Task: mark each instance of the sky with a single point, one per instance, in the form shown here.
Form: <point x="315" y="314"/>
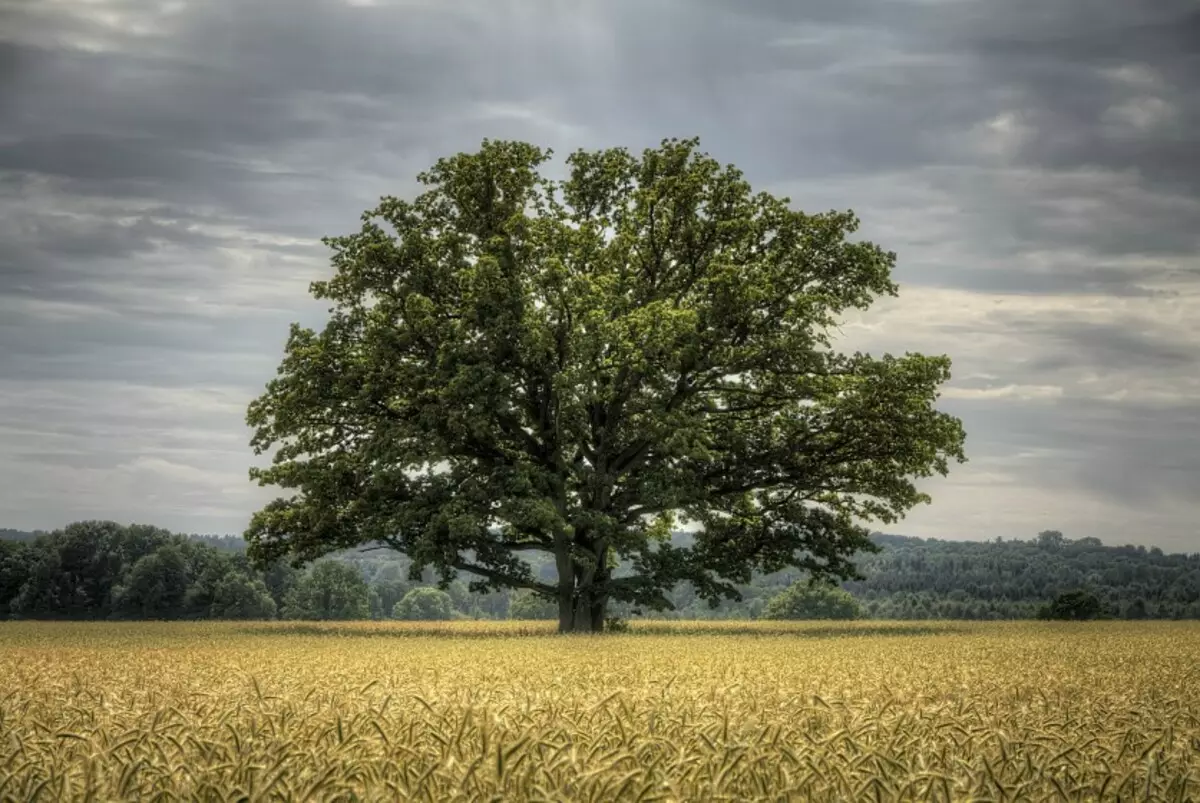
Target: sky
<point x="168" y="168"/>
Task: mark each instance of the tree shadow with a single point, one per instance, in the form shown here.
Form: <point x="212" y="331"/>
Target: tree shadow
<point x="810" y="632"/>
<point x="490" y="630"/>
<point x="395" y="630"/>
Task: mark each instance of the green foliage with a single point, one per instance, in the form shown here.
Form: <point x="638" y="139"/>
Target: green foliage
<point x="240" y="597"/>
<point x="387" y="588"/>
<point x="514" y="365"/>
<point x="101" y="569"/>
<point x="207" y="567"/>
<point x="616" y="624"/>
<point x="155" y="587"/>
<point x="424" y="604"/>
<point x="75" y="569"/>
<point x="525" y="604"/>
<point x="15" y="561"/>
<point x="331" y="590"/>
<point x="812" y="601"/>
<point x="913" y="578"/>
<point x="1079" y="604"/>
<point x="280" y="578"/>
<point x="1051" y="539"/>
<point x="910" y="578"/>
<point x="8" y="535"/>
<point x="1134" y="609"/>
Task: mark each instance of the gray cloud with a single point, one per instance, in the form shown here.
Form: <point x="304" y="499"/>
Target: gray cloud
<point x="1112" y="347"/>
<point x="167" y="168"/>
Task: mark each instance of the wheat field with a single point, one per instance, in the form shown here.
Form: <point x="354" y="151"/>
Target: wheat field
<point x="507" y="711"/>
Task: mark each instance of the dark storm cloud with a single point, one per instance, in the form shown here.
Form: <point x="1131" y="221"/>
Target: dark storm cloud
<point x="166" y="170"/>
<point x="1118" y="89"/>
<point x="787" y="91"/>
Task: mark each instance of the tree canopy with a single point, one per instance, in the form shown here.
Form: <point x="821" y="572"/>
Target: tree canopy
<point x="1077" y="604"/>
<point x="803" y="600"/>
<point x="330" y="591"/>
<point x="576" y="366"/>
<point x="424" y="604"/>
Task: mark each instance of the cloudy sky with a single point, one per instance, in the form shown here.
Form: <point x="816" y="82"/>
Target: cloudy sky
<point x="166" y="169"/>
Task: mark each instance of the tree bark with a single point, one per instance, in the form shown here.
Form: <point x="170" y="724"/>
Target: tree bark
<point x="583" y="601"/>
<point x="584" y="612"/>
<point x="598" y="601"/>
<point x="598" y="609"/>
<point x="582" y="586"/>
<point x="566" y="583"/>
<point x="583" y="621"/>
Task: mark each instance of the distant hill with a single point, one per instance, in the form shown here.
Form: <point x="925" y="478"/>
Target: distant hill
<point x="927" y="578"/>
<point x="225" y="543"/>
<point x="228" y="543"/>
<point x="916" y="578"/>
<point x="17" y="535"/>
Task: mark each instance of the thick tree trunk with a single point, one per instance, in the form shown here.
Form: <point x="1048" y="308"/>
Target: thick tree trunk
<point x="583" y="620"/>
<point x="598" y="601"/>
<point x="599" y="609"/>
<point x="566" y="584"/>
<point x="583" y="609"/>
<point x="582" y="600"/>
<point x="583" y="613"/>
<point x="566" y="614"/>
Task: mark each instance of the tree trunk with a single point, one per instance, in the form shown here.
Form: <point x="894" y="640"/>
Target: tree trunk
<point x="582" y="610"/>
<point x="566" y="584"/>
<point x="583" y="619"/>
<point x="583" y="613"/>
<point x="599" y="608"/>
<point x="566" y="614"/>
<point x="598" y="601"/>
<point x="582" y="602"/>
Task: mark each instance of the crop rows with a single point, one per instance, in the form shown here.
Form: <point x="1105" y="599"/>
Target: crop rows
<point x="211" y="711"/>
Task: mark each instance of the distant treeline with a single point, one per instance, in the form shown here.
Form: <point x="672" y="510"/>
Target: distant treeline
<point x="912" y="578"/>
<point x="102" y="570"/>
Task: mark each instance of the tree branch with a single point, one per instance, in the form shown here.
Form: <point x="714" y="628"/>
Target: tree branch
<point x="516" y="546"/>
<point x="504" y="579"/>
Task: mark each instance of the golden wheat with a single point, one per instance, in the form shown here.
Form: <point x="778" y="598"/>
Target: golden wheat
<point x="505" y="711"/>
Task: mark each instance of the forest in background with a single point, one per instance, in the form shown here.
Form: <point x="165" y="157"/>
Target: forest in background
<point x="103" y="570"/>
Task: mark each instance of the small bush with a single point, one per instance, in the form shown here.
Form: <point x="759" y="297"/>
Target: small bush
<point x="1073" y="605"/>
<point x="525" y="604"/>
<point x="805" y="601"/>
<point x="424" y="604"/>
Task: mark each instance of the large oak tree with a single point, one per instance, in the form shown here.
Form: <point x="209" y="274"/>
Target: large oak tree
<point x="517" y="364"/>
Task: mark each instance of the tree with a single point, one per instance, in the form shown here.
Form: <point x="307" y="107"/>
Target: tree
<point x="155" y="586"/>
<point x="1051" y="539"/>
<point x="1079" y="604"/>
<point x="240" y="597"/>
<point x="1134" y="609"/>
<point x="15" y="560"/>
<point x="280" y="577"/>
<point x="424" y="604"/>
<point x="389" y="587"/>
<point x="812" y="601"/>
<point x="75" y="570"/>
<point x="207" y="567"/>
<point x="525" y="604"/>
<point x="331" y="590"/>
<point x="516" y="365"/>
